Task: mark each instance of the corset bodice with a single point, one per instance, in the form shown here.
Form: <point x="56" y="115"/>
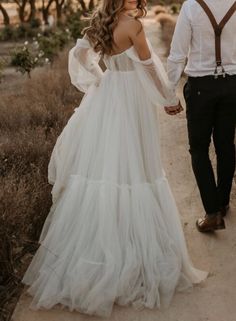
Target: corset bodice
<point x="118" y="62"/>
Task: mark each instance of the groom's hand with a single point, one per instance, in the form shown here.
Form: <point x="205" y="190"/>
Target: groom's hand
<point x="173" y="110"/>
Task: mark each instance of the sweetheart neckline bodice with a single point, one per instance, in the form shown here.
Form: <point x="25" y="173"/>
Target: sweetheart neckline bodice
<point x="119" y="54"/>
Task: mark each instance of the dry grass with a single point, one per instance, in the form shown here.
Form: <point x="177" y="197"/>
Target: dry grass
<point x="32" y="114"/>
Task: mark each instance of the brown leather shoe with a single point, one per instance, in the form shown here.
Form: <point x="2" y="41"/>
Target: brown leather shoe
<point x="210" y="223"/>
<point x="224" y="210"/>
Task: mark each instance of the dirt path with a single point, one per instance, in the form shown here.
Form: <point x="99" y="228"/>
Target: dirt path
<point x="215" y="299"/>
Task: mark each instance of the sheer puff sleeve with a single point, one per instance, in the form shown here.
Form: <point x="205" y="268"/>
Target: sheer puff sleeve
<point x="152" y="75"/>
<point x="83" y="67"/>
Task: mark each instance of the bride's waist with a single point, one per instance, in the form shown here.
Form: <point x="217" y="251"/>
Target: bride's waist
<point x="108" y="70"/>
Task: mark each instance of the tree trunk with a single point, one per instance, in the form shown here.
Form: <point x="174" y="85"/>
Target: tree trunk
<point x="5" y="15"/>
<point x="91" y="5"/>
<point x="45" y="10"/>
<point x="59" y="6"/>
<point x="32" y="10"/>
<point x="21" y="7"/>
<point x="22" y="14"/>
<point x="83" y="5"/>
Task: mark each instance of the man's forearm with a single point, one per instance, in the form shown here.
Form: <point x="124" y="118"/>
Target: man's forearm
<point x="179" y="48"/>
<point x="175" y="69"/>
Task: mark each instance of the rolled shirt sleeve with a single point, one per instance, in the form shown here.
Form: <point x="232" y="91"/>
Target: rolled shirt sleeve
<point x="179" y="47"/>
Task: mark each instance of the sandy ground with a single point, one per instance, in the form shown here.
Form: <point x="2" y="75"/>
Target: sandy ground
<point x="215" y="299"/>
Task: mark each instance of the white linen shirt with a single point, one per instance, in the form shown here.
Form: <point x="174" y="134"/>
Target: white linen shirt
<point x="194" y="39"/>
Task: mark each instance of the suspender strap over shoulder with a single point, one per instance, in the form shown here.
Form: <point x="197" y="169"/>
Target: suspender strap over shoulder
<point x="218" y="30"/>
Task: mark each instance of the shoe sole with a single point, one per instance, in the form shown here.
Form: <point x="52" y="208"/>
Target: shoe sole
<point x="218" y="227"/>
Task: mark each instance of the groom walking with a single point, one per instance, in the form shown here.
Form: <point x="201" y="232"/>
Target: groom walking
<point x="205" y="37"/>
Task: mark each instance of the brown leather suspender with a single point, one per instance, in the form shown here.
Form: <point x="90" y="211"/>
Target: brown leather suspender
<point x="218" y="31"/>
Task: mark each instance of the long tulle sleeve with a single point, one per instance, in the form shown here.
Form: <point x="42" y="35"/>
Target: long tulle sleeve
<point x="153" y="76"/>
<point x="83" y="66"/>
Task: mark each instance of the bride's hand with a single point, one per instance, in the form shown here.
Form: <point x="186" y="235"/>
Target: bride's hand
<point x="173" y="110"/>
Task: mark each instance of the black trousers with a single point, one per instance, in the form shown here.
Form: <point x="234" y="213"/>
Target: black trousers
<point x="211" y="113"/>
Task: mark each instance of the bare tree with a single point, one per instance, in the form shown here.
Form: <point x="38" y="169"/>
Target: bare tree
<point x="59" y="6"/>
<point x="45" y="9"/>
<point x="91" y="5"/>
<point x="6" y="18"/>
<point x="83" y="5"/>
<point x="21" y="8"/>
<point x="32" y="10"/>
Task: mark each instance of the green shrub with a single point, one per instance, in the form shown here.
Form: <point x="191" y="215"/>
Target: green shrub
<point x="75" y="24"/>
<point x="24" y="60"/>
<point x="62" y="37"/>
<point x="6" y="33"/>
<point x="59" y="36"/>
<point x="49" y="46"/>
<point x="24" y="31"/>
<point x="35" y="23"/>
<point x="43" y="50"/>
<point x="53" y="42"/>
<point x="20" y="31"/>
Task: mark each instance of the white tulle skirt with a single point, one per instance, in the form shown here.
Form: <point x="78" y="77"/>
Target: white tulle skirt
<point x="113" y="234"/>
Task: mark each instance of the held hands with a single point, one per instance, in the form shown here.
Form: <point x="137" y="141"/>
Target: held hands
<point x="174" y="110"/>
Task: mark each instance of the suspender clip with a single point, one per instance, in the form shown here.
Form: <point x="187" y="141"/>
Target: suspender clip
<point x="223" y="71"/>
<point x="216" y="73"/>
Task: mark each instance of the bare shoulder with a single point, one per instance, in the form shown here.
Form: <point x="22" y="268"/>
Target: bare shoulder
<point x="134" y="26"/>
<point x="137" y="36"/>
<point x="134" y="32"/>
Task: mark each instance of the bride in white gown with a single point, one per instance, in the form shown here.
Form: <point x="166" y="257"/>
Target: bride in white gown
<point x="113" y="234"/>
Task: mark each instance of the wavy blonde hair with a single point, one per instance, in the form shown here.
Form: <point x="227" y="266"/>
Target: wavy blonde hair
<point x="103" y="23"/>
